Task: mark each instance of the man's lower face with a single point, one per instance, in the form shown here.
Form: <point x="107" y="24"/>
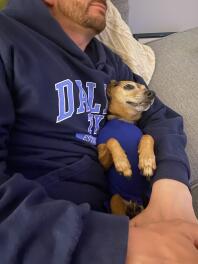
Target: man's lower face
<point x="87" y="13"/>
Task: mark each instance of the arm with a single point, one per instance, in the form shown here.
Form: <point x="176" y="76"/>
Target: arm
<point x="171" y="180"/>
<point x="166" y="127"/>
<point x="37" y="229"/>
<point x="170" y="196"/>
<point x="168" y="219"/>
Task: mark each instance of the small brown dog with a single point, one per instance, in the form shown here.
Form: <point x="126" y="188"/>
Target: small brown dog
<point x="127" y="101"/>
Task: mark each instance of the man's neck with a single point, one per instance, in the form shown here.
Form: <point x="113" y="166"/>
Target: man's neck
<point x="81" y="36"/>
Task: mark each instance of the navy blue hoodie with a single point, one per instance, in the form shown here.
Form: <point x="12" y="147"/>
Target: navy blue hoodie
<point x="52" y="105"/>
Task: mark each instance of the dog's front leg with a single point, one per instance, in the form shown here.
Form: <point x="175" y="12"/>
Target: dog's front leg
<point x="104" y="156"/>
<point x="147" y="163"/>
<point x="119" y="157"/>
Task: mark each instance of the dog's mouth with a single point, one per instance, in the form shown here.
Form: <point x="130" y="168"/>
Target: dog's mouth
<point x="142" y="106"/>
<point x="146" y="102"/>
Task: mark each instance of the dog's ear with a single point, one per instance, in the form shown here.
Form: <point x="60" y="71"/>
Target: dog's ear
<point x="113" y="83"/>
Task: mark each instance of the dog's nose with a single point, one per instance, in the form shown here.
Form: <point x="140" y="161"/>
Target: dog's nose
<point x="150" y="94"/>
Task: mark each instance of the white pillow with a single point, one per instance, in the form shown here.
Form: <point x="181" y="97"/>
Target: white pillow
<point x="118" y="37"/>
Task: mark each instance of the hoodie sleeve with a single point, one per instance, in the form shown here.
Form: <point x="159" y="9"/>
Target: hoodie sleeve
<point x="37" y="229"/>
<point x="166" y="127"/>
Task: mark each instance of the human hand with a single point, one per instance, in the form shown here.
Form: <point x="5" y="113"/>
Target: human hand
<point x="174" y="242"/>
<point x="170" y="200"/>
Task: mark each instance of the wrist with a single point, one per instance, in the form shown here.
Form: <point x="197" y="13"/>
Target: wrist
<point x="172" y="199"/>
<point x="167" y="189"/>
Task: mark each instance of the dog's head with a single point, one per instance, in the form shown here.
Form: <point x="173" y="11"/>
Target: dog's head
<point x="128" y="99"/>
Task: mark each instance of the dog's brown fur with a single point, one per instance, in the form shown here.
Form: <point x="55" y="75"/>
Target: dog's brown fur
<point x="127" y="101"/>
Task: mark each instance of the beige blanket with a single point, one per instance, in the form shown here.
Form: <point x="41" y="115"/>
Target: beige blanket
<point x="118" y="37"/>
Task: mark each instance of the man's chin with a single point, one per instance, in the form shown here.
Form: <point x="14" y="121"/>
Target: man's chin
<point x="97" y="23"/>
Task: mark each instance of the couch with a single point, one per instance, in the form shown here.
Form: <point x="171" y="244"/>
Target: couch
<point x="175" y="81"/>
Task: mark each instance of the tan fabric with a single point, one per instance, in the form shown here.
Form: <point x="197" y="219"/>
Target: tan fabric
<point x="118" y="37"/>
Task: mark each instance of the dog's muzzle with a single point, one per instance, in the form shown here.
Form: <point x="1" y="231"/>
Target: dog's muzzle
<point x="149" y="97"/>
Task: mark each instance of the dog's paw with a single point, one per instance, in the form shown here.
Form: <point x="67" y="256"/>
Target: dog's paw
<point x="147" y="164"/>
<point x="123" y="166"/>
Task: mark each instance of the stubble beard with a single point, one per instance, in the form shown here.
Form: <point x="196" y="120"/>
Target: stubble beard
<point x="80" y="14"/>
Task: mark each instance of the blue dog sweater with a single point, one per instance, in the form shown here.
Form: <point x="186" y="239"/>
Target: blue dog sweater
<point x="128" y="135"/>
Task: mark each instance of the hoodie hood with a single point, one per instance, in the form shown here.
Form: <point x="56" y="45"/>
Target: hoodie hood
<point x="59" y="91"/>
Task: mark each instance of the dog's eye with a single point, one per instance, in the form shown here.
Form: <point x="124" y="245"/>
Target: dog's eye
<point x="129" y="87"/>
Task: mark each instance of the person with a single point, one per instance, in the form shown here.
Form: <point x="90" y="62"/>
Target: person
<point x="53" y="78"/>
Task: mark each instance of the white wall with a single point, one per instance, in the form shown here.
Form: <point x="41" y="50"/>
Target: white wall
<point x="162" y="15"/>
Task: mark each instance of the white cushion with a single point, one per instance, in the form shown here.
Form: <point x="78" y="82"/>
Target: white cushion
<point x="118" y="37"/>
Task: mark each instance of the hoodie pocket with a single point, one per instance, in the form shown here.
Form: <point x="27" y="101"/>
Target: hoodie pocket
<point x="84" y="170"/>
